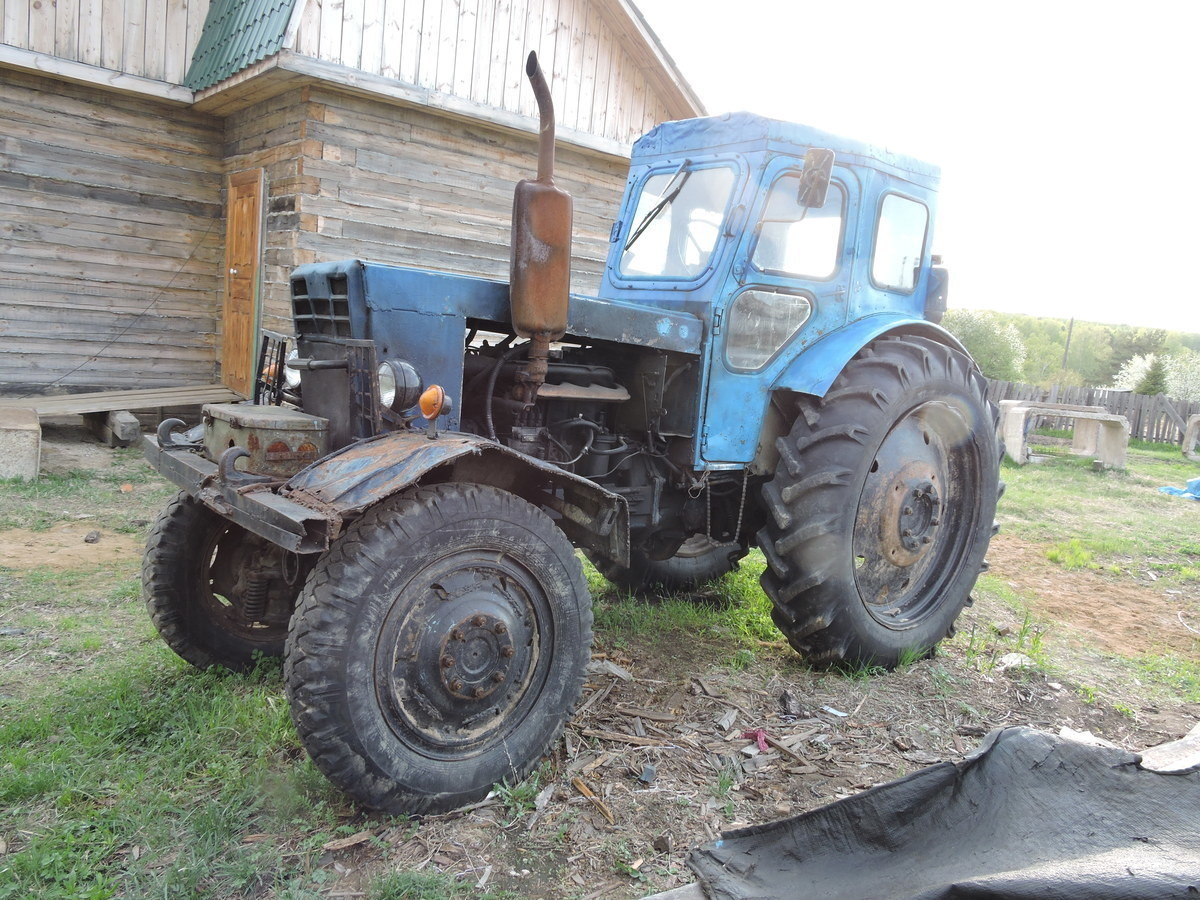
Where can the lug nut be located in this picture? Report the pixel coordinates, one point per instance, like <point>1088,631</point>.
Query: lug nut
<point>497,677</point>
<point>447,662</point>
<point>477,693</point>
<point>500,628</point>
<point>457,635</point>
<point>456,685</point>
<point>507,652</point>
<point>477,621</point>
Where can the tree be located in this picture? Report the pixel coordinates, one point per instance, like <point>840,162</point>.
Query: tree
<point>997,348</point>
<point>1183,376</point>
<point>1154,381</point>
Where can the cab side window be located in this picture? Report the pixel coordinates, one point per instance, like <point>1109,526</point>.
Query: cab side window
<point>899,243</point>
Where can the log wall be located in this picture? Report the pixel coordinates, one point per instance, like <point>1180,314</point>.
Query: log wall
<point>349,176</point>
<point>111,238</point>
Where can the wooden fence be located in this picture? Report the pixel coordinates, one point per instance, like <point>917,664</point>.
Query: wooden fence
<point>1158,418</point>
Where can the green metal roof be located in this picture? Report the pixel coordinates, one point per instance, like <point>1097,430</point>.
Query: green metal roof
<point>237,34</point>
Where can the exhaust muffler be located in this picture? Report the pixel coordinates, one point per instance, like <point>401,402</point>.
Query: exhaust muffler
<point>540,276</point>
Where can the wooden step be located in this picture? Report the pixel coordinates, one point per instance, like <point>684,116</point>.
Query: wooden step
<point>107,401</point>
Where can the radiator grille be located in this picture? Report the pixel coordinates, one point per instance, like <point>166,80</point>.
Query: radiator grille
<point>324,315</point>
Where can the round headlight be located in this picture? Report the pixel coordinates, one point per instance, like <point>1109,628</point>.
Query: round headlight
<point>399,385</point>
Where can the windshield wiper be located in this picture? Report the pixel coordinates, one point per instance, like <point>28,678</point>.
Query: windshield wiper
<point>674,186</point>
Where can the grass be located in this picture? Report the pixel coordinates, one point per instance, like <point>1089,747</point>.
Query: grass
<point>519,799</point>
<point>1180,677</point>
<point>151,779</point>
<point>116,499</point>
<point>124,773</point>
<point>1106,513</point>
<point>732,609</point>
<point>427,886</point>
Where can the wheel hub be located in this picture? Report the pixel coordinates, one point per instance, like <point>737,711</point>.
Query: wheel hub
<point>919,517</point>
<point>476,657</point>
<point>460,651</point>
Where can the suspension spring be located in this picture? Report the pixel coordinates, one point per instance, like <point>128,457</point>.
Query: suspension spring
<point>254,600</point>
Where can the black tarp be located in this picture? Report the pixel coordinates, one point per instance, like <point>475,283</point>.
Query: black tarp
<point>1028,816</point>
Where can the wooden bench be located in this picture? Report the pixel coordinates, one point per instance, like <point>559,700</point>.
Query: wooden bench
<point>1097,432</point>
<point>1191,435</point>
<point>106,413</point>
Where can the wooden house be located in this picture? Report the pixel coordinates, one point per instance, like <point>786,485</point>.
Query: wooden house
<point>165,163</point>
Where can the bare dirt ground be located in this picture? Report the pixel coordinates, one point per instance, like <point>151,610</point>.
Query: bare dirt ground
<point>1116,614</point>
<point>679,739</point>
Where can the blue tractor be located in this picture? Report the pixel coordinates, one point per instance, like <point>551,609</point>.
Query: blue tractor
<point>398,512</point>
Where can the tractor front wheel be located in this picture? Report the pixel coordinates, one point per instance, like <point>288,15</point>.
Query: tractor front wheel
<point>882,504</point>
<point>218,594</point>
<point>438,648</point>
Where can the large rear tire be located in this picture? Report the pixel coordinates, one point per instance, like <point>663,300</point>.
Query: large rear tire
<point>700,559</point>
<point>218,594</point>
<point>882,504</point>
<point>439,647</point>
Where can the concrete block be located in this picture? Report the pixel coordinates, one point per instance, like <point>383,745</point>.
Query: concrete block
<point>1190,437</point>
<point>20,443</point>
<point>1097,433</point>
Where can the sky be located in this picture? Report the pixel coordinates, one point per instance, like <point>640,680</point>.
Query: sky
<point>1068,133</point>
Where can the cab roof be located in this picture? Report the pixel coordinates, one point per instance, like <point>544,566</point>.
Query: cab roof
<point>747,133</point>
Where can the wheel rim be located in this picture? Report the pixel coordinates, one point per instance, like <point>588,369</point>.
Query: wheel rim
<point>460,660</point>
<point>241,581</point>
<point>916,514</point>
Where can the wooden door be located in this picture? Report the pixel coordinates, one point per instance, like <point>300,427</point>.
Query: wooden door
<point>242,254</point>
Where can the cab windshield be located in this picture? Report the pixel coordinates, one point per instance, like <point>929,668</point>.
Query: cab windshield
<point>678,219</point>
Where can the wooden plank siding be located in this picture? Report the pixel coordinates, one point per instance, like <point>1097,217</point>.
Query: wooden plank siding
<point>348,176</point>
<point>111,235</point>
<point>602,77</point>
<point>149,38</point>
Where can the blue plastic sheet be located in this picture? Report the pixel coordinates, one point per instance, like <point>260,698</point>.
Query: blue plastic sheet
<point>1192,492</point>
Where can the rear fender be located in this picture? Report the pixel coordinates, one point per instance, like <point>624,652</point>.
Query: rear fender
<point>346,483</point>
<point>814,370</point>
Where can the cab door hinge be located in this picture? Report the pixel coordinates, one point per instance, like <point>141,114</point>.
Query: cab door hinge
<point>716,322</point>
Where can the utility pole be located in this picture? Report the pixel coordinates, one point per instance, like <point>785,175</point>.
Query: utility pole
<point>1067,351</point>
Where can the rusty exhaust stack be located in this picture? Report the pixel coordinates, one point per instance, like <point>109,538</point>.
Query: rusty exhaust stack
<point>540,277</point>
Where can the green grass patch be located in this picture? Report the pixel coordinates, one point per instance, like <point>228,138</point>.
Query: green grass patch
<point>732,608</point>
<point>982,646</point>
<point>1180,677</point>
<point>1072,555</point>
<point>1106,519</point>
<point>116,499</point>
<point>146,779</point>
<point>428,886</point>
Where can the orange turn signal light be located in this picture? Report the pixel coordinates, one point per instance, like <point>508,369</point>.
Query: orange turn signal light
<point>433,402</point>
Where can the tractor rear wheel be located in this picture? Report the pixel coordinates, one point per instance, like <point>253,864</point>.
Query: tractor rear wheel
<point>438,648</point>
<point>880,511</point>
<point>218,594</point>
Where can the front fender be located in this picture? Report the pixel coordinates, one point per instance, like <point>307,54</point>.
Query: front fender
<point>362,474</point>
<point>814,370</point>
